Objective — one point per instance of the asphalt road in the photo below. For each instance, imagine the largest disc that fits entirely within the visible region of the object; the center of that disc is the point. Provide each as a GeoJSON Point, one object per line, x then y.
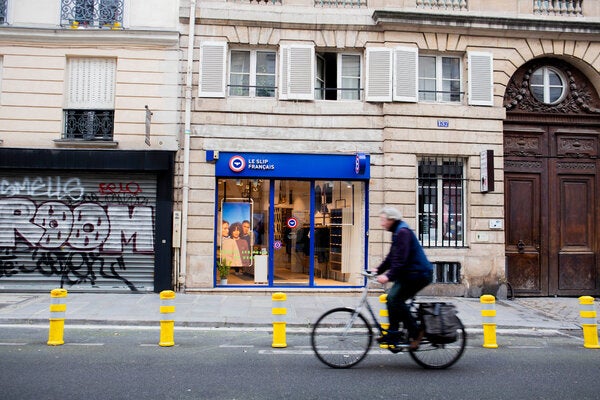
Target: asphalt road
{"type": "Point", "coordinates": [121, 363]}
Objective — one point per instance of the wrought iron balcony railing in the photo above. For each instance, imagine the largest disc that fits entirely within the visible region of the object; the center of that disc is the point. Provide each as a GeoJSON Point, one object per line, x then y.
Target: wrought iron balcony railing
{"type": "Point", "coordinates": [92, 13]}
{"type": "Point", "coordinates": [3, 8]}
{"type": "Point", "coordinates": [89, 124]}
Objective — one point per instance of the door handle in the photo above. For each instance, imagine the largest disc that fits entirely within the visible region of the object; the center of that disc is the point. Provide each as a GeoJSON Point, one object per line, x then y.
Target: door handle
{"type": "Point", "coordinates": [521, 246]}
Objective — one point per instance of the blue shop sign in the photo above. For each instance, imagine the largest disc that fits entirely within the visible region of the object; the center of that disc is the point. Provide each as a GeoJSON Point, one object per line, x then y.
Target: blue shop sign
{"type": "Point", "coordinates": [303, 166]}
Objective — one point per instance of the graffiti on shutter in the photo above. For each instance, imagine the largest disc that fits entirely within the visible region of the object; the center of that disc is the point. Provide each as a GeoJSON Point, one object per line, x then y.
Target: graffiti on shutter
{"type": "Point", "coordinates": [80, 232]}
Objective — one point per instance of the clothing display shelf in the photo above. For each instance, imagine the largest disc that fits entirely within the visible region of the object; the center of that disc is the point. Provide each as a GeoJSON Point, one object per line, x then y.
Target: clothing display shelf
{"type": "Point", "coordinates": [339, 244]}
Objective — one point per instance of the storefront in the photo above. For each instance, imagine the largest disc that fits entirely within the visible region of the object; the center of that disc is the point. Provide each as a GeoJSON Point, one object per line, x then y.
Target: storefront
{"type": "Point", "coordinates": [295, 220]}
{"type": "Point", "coordinates": [85, 220]}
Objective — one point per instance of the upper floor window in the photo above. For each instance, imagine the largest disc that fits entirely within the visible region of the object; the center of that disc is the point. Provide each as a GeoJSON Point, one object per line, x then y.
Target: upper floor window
{"type": "Point", "coordinates": [441, 201]}
{"type": "Point", "coordinates": [547, 85]}
{"type": "Point", "coordinates": [92, 13]}
{"type": "Point", "coordinates": [3, 11]}
{"type": "Point", "coordinates": [89, 106]}
{"type": "Point", "coordinates": [390, 74]}
{"type": "Point", "coordinates": [439, 79]}
{"type": "Point", "coordinates": [252, 73]}
{"type": "Point", "coordinates": [338, 76]}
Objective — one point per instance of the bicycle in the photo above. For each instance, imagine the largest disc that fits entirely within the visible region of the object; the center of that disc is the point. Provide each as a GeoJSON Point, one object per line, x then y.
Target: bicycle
{"type": "Point", "coordinates": [342, 337]}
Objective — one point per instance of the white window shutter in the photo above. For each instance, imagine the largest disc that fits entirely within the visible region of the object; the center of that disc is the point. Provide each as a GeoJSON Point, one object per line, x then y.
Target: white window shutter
{"type": "Point", "coordinates": [481, 78]}
{"type": "Point", "coordinates": [378, 71]}
{"type": "Point", "coordinates": [213, 71]}
{"type": "Point", "coordinates": [284, 54]}
{"type": "Point", "coordinates": [406, 74]}
{"type": "Point", "coordinates": [91, 83]}
{"type": "Point", "coordinates": [300, 80]}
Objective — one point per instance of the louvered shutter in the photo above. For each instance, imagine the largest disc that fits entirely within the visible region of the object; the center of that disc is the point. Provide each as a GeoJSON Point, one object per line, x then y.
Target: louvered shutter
{"type": "Point", "coordinates": [406, 74]}
{"type": "Point", "coordinates": [300, 72]}
{"type": "Point", "coordinates": [213, 61]}
{"type": "Point", "coordinates": [91, 83]}
{"type": "Point", "coordinates": [379, 74]}
{"type": "Point", "coordinates": [481, 78]}
{"type": "Point", "coordinates": [284, 54]}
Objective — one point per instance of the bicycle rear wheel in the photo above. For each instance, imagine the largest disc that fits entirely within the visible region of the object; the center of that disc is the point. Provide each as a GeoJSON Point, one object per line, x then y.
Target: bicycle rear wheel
{"type": "Point", "coordinates": [341, 338]}
{"type": "Point", "coordinates": [439, 356]}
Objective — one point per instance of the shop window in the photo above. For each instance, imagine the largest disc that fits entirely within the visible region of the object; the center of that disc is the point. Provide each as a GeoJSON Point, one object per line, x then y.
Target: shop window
{"type": "Point", "coordinates": [439, 79]}
{"type": "Point", "coordinates": [252, 73]}
{"type": "Point", "coordinates": [441, 202]}
{"type": "Point", "coordinates": [89, 111]}
{"type": "Point", "coordinates": [315, 236]}
{"type": "Point", "coordinates": [547, 85]}
{"type": "Point", "coordinates": [338, 76]}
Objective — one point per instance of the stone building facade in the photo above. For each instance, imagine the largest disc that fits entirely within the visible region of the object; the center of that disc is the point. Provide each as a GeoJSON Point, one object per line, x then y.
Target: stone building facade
{"type": "Point", "coordinates": [89, 125]}
{"type": "Point", "coordinates": [421, 92]}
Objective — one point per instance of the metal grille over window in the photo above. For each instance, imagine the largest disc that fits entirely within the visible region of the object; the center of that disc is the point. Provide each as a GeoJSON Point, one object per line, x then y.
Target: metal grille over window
{"type": "Point", "coordinates": [446, 272]}
{"type": "Point", "coordinates": [92, 13]}
{"type": "Point", "coordinates": [3, 8]}
{"type": "Point", "coordinates": [441, 201]}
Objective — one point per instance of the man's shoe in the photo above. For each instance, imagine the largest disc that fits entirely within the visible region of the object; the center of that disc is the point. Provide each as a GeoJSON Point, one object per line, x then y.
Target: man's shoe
{"type": "Point", "coordinates": [414, 344]}
{"type": "Point", "coordinates": [390, 340]}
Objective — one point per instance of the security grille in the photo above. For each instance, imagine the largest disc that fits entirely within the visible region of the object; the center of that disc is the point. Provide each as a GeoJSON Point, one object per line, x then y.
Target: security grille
{"type": "Point", "coordinates": [446, 272]}
{"type": "Point", "coordinates": [80, 232]}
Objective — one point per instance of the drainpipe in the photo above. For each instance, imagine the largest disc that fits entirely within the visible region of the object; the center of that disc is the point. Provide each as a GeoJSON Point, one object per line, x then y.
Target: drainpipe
{"type": "Point", "coordinates": [186, 148]}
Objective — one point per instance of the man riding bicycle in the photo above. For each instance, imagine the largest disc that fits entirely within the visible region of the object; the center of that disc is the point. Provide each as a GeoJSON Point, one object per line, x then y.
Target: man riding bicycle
{"type": "Point", "coordinates": [407, 266]}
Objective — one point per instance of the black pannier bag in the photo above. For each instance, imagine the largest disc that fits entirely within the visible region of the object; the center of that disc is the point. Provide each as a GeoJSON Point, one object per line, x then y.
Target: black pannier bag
{"type": "Point", "coordinates": [441, 322]}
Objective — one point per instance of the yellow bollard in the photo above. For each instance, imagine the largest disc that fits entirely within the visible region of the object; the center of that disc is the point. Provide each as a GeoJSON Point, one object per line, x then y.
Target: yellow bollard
{"type": "Point", "coordinates": [384, 316]}
{"type": "Point", "coordinates": [488, 314]}
{"type": "Point", "coordinates": [167, 323]}
{"type": "Point", "coordinates": [279, 319]}
{"type": "Point", "coordinates": [58, 309]}
{"type": "Point", "coordinates": [588, 322]}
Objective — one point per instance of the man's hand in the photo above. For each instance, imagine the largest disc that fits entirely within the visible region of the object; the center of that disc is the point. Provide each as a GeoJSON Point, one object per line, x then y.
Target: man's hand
{"type": "Point", "coordinates": [383, 279]}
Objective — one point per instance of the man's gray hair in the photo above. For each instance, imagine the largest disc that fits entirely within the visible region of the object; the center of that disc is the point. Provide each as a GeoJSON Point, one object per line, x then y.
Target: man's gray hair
{"type": "Point", "coordinates": [391, 213]}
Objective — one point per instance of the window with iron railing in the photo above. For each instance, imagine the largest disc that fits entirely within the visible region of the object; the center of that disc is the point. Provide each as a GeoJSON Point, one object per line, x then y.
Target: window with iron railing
{"type": "Point", "coordinates": [3, 11]}
{"type": "Point", "coordinates": [338, 76]}
{"type": "Point", "coordinates": [441, 200]}
{"type": "Point", "coordinates": [252, 73]}
{"type": "Point", "coordinates": [558, 7]}
{"type": "Point", "coordinates": [89, 111]}
{"type": "Point", "coordinates": [92, 13]}
{"type": "Point", "coordinates": [439, 79]}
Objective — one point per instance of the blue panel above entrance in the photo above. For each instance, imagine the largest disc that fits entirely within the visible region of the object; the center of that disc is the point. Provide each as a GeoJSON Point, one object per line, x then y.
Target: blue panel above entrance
{"type": "Point", "coordinates": [299, 166]}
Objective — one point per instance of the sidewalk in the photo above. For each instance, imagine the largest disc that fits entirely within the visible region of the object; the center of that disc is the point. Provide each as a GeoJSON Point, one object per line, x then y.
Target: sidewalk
{"type": "Point", "coordinates": [254, 310]}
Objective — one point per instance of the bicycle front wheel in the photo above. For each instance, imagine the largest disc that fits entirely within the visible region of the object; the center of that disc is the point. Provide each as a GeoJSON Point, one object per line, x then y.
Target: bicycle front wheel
{"type": "Point", "coordinates": [341, 338]}
{"type": "Point", "coordinates": [439, 356]}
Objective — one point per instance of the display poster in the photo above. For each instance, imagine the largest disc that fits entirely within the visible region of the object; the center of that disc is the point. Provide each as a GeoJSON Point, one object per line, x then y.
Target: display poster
{"type": "Point", "coordinates": [236, 240]}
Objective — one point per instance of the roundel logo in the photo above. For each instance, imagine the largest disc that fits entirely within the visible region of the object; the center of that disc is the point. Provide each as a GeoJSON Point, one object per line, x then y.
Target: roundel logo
{"type": "Point", "coordinates": [237, 163]}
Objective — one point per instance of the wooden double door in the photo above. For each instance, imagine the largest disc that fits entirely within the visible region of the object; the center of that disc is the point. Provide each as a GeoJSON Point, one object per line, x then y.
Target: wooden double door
{"type": "Point", "coordinates": [551, 203]}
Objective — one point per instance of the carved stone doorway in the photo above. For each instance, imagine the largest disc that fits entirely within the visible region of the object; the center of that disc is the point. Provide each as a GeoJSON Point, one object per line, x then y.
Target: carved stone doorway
{"type": "Point", "coordinates": [551, 181]}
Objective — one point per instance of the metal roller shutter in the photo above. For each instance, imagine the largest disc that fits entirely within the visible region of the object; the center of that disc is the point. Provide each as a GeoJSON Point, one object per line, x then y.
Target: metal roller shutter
{"type": "Point", "coordinates": [83, 232]}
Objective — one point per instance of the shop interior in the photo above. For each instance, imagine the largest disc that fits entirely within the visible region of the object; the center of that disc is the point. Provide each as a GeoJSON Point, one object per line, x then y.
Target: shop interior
{"type": "Point", "coordinates": [316, 236]}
